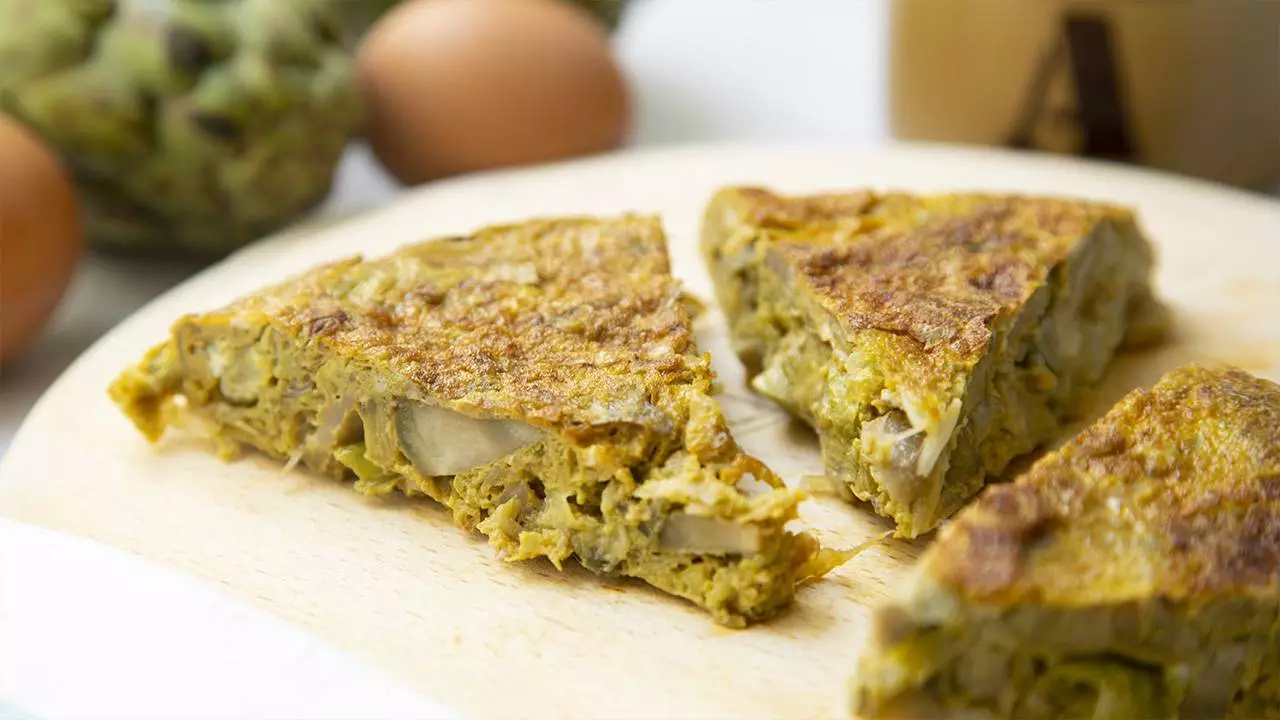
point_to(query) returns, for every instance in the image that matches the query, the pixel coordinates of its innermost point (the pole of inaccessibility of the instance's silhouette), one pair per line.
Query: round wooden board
(397, 585)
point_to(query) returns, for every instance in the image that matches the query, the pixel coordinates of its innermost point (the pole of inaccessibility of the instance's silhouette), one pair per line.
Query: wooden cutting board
(397, 585)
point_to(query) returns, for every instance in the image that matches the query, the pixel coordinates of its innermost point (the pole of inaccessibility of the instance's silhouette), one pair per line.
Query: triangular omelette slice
(928, 340)
(1134, 573)
(541, 380)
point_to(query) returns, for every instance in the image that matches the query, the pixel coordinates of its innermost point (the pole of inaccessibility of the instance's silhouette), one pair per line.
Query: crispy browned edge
(1214, 511)
(460, 338)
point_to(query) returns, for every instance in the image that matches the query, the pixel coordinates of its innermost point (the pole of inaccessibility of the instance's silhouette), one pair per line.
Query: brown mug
(1188, 86)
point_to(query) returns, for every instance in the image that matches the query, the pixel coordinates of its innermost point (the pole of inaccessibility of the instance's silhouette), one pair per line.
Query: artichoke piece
(1211, 688)
(378, 417)
(1097, 690)
(700, 535)
(337, 424)
(439, 441)
(190, 127)
(371, 479)
(891, 447)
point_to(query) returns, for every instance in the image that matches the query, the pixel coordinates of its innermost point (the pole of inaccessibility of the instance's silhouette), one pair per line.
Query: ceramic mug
(1189, 86)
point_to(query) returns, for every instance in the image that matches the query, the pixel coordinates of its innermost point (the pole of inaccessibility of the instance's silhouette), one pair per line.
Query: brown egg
(454, 86)
(40, 241)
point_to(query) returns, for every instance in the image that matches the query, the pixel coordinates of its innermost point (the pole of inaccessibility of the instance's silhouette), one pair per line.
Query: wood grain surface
(396, 584)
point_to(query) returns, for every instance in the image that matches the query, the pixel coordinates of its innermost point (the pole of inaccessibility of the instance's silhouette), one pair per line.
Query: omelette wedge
(1133, 573)
(540, 380)
(929, 340)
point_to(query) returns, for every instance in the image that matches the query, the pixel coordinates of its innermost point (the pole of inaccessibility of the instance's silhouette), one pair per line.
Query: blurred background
(142, 140)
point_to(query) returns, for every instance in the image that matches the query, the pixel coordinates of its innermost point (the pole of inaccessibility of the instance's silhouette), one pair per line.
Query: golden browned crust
(938, 271)
(567, 322)
(1175, 493)
(806, 213)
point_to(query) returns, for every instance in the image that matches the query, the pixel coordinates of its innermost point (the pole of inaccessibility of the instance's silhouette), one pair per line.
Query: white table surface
(90, 632)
